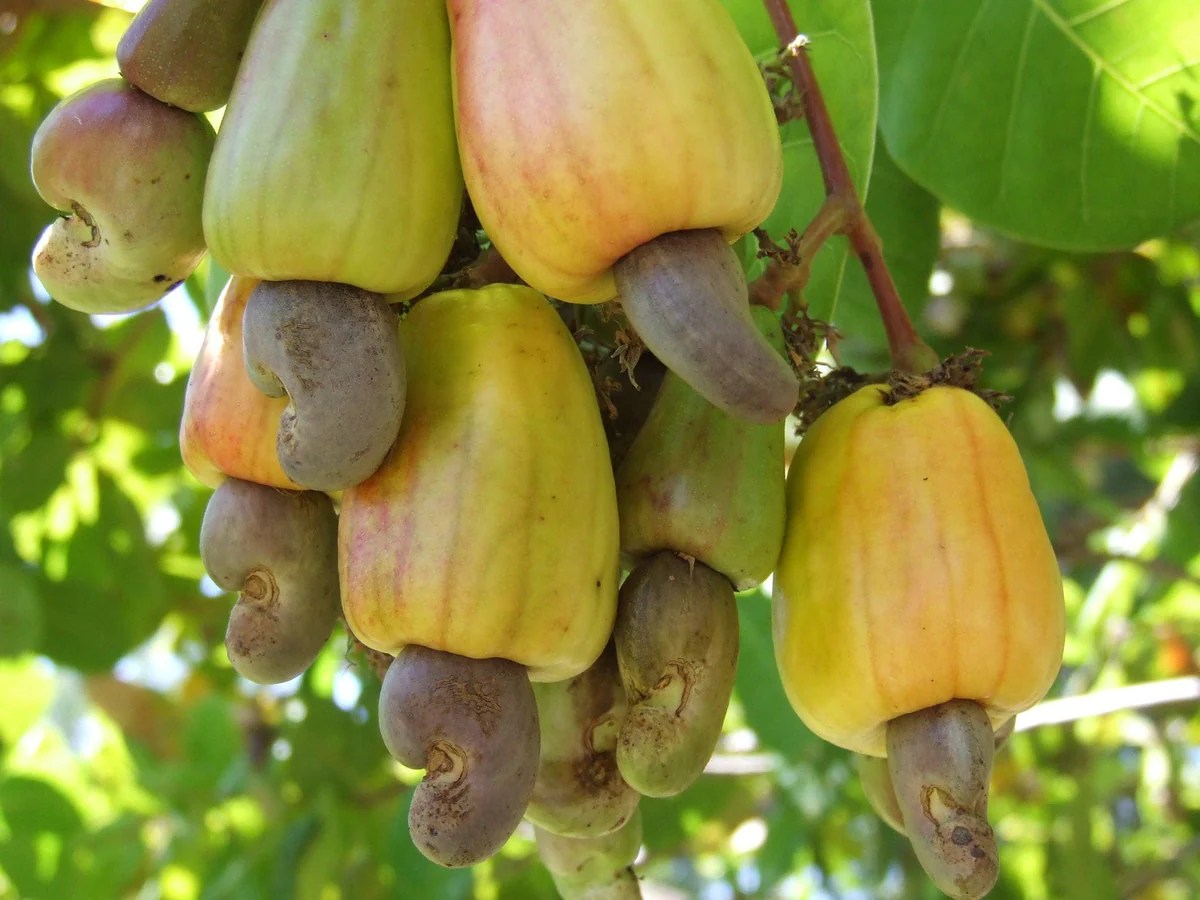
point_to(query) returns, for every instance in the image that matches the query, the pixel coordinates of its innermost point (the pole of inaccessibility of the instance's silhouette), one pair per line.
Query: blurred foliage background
(134, 763)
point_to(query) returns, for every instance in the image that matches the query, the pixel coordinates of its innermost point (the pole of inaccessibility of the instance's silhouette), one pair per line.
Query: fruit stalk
(909, 353)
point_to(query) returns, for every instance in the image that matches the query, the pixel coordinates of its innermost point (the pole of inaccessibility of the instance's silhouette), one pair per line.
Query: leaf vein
(1018, 84)
(1089, 123)
(1065, 27)
(1096, 12)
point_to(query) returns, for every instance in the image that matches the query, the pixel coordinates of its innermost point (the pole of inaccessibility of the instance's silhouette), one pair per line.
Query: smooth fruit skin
(701, 482)
(491, 528)
(336, 158)
(128, 173)
(229, 425)
(915, 568)
(588, 128)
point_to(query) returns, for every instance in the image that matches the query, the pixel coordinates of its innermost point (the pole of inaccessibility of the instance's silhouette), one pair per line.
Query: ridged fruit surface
(336, 158)
(491, 528)
(701, 482)
(229, 425)
(587, 129)
(915, 568)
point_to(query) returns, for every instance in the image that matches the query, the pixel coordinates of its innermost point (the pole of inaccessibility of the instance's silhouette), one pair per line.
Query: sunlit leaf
(1072, 123)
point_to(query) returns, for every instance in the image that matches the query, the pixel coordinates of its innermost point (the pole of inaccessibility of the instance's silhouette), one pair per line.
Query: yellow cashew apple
(490, 530)
(915, 568)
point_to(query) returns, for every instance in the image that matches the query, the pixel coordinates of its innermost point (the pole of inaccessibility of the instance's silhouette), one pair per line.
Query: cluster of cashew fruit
(432, 466)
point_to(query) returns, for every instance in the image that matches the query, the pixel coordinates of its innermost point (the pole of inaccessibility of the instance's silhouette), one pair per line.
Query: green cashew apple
(127, 172)
(619, 146)
(594, 868)
(336, 157)
(701, 482)
(579, 789)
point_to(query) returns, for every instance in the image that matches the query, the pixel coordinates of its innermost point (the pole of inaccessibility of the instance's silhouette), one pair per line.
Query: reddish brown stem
(790, 272)
(491, 268)
(909, 353)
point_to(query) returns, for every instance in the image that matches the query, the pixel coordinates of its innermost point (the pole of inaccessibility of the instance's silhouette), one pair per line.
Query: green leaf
(842, 51)
(20, 613)
(112, 596)
(31, 806)
(27, 689)
(1070, 124)
(28, 479)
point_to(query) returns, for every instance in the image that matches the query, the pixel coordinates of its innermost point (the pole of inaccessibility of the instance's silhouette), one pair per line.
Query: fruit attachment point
(940, 761)
(686, 295)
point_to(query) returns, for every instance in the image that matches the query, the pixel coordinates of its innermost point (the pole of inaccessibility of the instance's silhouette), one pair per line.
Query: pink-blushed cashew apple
(127, 172)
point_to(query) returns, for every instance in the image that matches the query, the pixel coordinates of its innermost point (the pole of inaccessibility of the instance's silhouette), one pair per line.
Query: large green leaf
(1070, 123)
(842, 50)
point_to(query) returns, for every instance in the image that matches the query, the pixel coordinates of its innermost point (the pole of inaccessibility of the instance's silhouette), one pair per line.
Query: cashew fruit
(228, 425)
(336, 157)
(686, 296)
(594, 868)
(490, 530)
(700, 482)
(915, 568)
(579, 789)
(186, 52)
(584, 136)
(127, 172)
(620, 148)
(333, 351)
(278, 549)
(472, 724)
(677, 647)
(877, 785)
